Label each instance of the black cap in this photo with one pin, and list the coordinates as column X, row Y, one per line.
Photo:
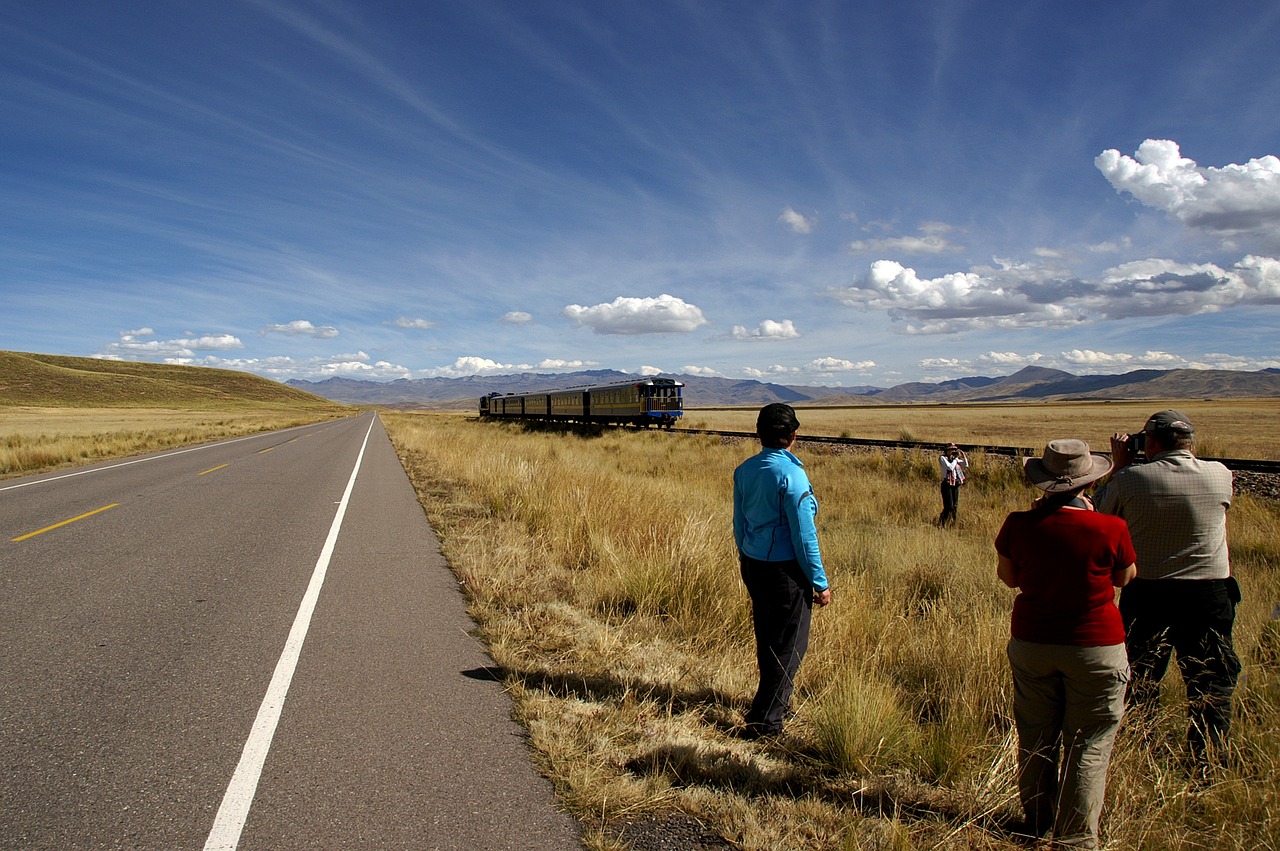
column 777, row 419
column 1169, row 421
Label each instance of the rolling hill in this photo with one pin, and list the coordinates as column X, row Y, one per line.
column 57, row 381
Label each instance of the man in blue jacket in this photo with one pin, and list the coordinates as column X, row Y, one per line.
column 773, row 525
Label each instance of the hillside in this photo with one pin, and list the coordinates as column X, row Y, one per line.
column 70, row 382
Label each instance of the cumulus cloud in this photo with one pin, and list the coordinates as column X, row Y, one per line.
column 624, row 315
column 797, row 222
column 301, row 327
column 413, row 324
column 473, row 365
column 816, row 368
column 703, row 371
column 130, row 346
column 1233, row 200
column 1025, row 296
column 516, row 317
column 557, row 363
column 767, row 330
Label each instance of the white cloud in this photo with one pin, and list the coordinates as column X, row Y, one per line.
column 302, row 327
column 517, row 317
column 704, row 371
column 624, row 315
column 816, row 368
column 414, row 324
column 1025, row 296
column 1234, row 200
column 182, row 349
column 1090, row 359
column 651, row 370
column 943, row 363
column 1093, row 362
column 797, row 222
column 931, row 240
column 1010, row 359
column 767, row 330
column 472, row 365
column 557, row 363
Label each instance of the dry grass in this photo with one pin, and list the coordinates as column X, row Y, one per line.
column 602, row 573
column 1229, row 428
column 34, row 439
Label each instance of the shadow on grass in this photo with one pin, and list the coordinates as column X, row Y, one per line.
column 795, row 769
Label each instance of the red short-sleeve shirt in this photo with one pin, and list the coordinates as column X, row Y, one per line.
column 1065, row 558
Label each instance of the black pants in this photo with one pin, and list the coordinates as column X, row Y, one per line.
column 1193, row 618
column 950, row 499
column 781, row 611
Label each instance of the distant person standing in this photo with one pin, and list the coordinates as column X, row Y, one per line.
column 1066, row 646
column 1184, row 599
column 773, row 526
column 954, row 463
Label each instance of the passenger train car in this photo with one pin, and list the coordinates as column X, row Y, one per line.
column 650, row 401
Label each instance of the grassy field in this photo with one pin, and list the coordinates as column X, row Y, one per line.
column 602, row 573
column 1230, row 428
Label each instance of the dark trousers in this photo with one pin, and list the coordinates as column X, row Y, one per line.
column 781, row 610
column 950, row 499
column 1192, row 618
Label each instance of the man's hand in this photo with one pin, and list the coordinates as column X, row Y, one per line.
column 1121, row 455
column 822, row 598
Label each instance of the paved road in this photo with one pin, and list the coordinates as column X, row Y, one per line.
column 251, row 644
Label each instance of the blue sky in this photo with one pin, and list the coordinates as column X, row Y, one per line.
column 808, row 192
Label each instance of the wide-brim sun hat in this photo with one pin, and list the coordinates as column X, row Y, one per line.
column 1066, row 465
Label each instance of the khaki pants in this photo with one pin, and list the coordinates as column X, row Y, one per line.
column 1068, row 703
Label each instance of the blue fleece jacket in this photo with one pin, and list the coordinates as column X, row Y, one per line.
column 774, row 510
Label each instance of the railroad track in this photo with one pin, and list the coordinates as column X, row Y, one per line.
column 1243, row 464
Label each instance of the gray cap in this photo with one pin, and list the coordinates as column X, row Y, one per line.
column 1169, row 421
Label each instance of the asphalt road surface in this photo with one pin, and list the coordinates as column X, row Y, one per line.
column 253, row 644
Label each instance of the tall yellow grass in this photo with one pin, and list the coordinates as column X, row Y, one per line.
column 603, row 576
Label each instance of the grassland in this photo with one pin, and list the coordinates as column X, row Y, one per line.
column 1228, row 428
column 602, row 573
column 60, row 411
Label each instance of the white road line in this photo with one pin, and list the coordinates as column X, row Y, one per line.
column 147, row 458
column 234, row 810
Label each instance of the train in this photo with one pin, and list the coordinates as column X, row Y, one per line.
column 644, row 403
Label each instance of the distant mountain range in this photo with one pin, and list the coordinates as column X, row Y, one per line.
column 1030, row 383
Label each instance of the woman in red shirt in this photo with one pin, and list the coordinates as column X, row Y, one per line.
column 1066, row 648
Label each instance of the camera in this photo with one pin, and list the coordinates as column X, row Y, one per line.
column 1136, row 443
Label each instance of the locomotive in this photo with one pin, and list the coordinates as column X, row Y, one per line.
column 649, row 401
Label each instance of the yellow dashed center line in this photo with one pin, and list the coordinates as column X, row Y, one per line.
column 63, row 523
column 212, row 469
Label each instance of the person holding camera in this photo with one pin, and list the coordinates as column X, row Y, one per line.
column 1066, row 646
column 773, row 527
column 953, row 463
column 1184, row 599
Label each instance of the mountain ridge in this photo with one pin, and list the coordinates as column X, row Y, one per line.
column 1031, row 383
